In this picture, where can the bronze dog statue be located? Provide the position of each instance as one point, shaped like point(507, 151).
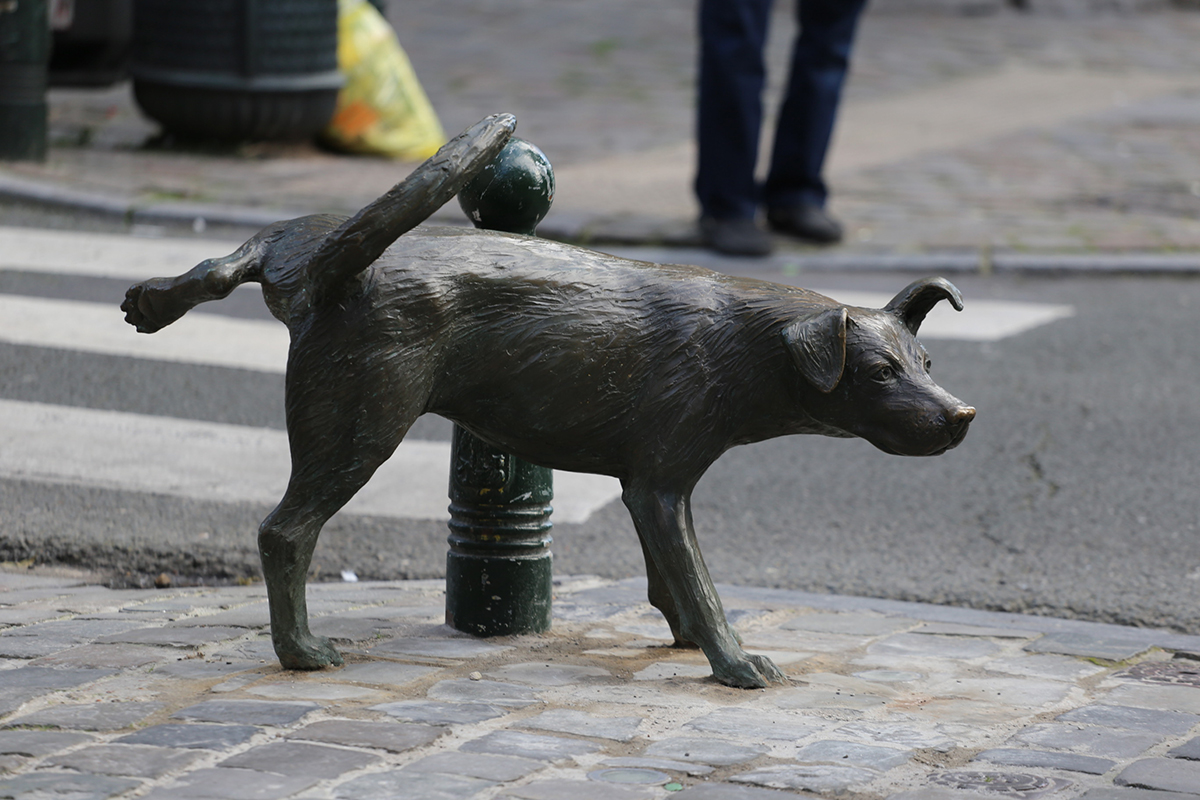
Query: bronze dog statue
point(565, 357)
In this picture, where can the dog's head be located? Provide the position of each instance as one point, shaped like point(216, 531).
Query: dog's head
point(871, 375)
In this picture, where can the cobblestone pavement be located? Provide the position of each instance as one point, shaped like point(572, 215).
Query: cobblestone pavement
point(968, 127)
point(176, 694)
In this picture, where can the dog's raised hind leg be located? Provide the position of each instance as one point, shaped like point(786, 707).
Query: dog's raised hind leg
point(154, 304)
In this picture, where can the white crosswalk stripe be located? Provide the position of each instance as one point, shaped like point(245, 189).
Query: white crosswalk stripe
point(211, 461)
point(238, 463)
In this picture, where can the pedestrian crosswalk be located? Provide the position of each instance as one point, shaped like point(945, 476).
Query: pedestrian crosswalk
point(236, 463)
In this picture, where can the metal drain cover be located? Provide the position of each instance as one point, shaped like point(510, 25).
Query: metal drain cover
point(1005, 784)
point(1181, 672)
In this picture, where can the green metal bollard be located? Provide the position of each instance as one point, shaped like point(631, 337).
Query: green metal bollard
point(24, 55)
point(498, 569)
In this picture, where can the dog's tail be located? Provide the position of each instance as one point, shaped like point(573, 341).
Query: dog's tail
point(356, 243)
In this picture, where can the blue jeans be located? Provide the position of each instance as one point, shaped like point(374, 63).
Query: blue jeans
point(733, 35)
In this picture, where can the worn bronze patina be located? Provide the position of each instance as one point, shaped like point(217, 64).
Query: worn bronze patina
point(567, 358)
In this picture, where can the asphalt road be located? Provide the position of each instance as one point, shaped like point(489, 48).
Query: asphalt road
point(1073, 495)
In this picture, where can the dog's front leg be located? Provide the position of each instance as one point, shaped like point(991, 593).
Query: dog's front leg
point(664, 524)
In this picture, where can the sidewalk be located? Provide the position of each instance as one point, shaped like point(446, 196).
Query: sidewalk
point(969, 138)
point(176, 694)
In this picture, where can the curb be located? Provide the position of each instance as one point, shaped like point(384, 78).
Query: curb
point(677, 248)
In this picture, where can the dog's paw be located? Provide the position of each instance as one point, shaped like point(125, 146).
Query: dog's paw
point(148, 308)
point(308, 652)
point(750, 672)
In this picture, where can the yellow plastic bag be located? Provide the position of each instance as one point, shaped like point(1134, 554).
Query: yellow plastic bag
point(382, 109)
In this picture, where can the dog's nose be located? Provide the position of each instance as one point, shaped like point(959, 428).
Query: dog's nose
point(961, 415)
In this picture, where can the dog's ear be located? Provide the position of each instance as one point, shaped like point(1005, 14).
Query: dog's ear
point(818, 346)
point(915, 300)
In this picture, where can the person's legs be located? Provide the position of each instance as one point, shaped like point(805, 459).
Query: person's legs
point(732, 74)
point(820, 61)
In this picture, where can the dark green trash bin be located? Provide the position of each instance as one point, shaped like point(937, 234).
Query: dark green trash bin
point(24, 51)
point(236, 70)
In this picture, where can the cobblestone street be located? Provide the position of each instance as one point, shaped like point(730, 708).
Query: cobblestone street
point(177, 694)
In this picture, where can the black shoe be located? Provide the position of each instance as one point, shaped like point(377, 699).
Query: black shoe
point(736, 237)
point(808, 222)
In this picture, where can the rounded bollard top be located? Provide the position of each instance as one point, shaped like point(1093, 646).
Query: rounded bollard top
point(513, 193)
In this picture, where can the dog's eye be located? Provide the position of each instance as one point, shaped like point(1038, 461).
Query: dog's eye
point(928, 363)
point(883, 374)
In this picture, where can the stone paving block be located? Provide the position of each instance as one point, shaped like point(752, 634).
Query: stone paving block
point(411, 785)
point(808, 777)
point(1087, 646)
point(914, 645)
point(630, 777)
point(1019, 693)
point(395, 737)
point(888, 676)
point(584, 612)
point(1106, 742)
point(365, 631)
point(128, 760)
point(665, 670)
point(63, 632)
point(88, 716)
point(184, 638)
point(580, 723)
point(300, 759)
point(807, 697)
point(1171, 723)
point(664, 764)
point(384, 673)
point(1167, 698)
point(1116, 793)
point(64, 785)
point(478, 765)
point(1053, 667)
point(310, 690)
point(439, 648)
point(558, 789)
point(848, 623)
point(222, 783)
point(247, 712)
point(440, 713)
point(528, 745)
point(717, 752)
point(854, 754)
point(256, 615)
point(730, 791)
point(495, 693)
point(39, 743)
point(250, 651)
point(195, 735)
point(958, 629)
point(621, 594)
point(939, 793)
point(1189, 750)
point(116, 656)
point(756, 724)
point(1071, 762)
point(39, 678)
point(1162, 774)
point(899, 733)
point(538, 673)
point(195, 669)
